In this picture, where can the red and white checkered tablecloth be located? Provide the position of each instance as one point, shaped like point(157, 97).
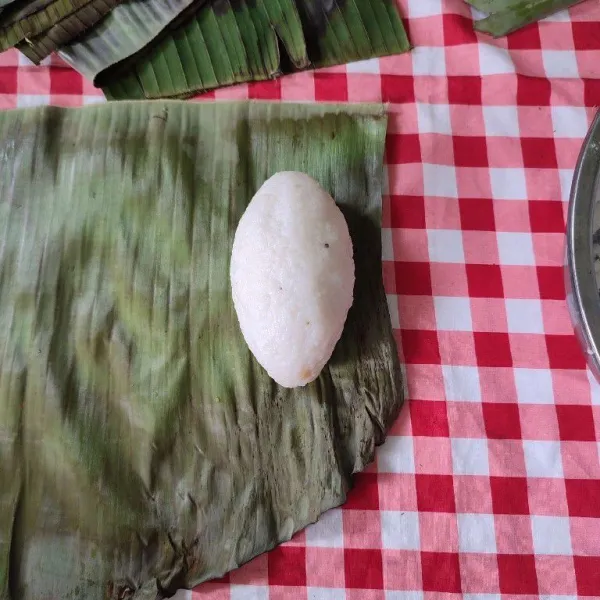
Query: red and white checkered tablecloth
point(489, 484)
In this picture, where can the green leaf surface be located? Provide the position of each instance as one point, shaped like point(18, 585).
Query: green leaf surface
point(142, 447)
point(228, 43)
point(507, 16)
point(31, 25)
point(39, 47)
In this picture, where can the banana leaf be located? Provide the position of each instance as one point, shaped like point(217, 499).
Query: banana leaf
point(233, 41)
point(24, 25)
point(63, 32)
point(510, 15)
point(142, 448)
point(126, 31)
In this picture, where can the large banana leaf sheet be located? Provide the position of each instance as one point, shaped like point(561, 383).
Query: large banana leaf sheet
point(142, 448)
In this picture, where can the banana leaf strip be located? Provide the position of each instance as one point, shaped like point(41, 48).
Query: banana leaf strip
point(510, 15)
point(36, 23)
point(142, 448)
point(126, 31)
point(65, 31)
point(232, 42)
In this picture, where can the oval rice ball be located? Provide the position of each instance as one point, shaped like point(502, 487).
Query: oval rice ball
point(292, 277)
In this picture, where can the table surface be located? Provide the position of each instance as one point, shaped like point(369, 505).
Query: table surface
point(489, 484)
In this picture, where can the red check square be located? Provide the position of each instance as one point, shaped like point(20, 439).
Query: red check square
point(583, 497)
point(502, 421)
point(539, 153)
point(477, 214)
point(517, 574)
point(331, 87)
point(485, 281)
point(398, 89)
point(546, 216)
point(365, 493)
point(470, 151)
point(441, 572)
point(429, 418)
point(363, 568)
point(576, 423)
point(587, 574)
point(63, 82)
point(493, 349)
point(564, 352)
point(403, 148)
point(435, 493)
point(458, 30)
point(464, 90)
point(287, 566)
point(509, 495)
point(407, 212)
point(551, 281)
point(413, 278)
point(533, 91)
point(420, 347)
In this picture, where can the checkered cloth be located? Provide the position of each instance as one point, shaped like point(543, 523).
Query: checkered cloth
point(489, 484)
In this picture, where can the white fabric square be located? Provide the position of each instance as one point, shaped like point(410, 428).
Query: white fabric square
point(403, 595)
point(364, 66)
point(470, 456)
point(29, 100)
point(594, 388)
point(524, 316)
point(23, 61)
point(542, 459)
point(434, 118)
point(551, 535)
point(396, 455)
point(445, 245)
point(439, 181)
point(515, 248)
point(476, 533)
point(424, 8)
point(461, 383)
point(562, 16)
point(560, 63)
point(392, 302)
point(400, 530)
point(328, 531)
point(481, 597)
point(566, 181)
point(387, 244)
point(249, 592)
point(502, 121)
point(318, 593)
point(183, 595)
point(87, 100)
point(569, 121)
point(534, 386)
point(508, 184)
point(429, 60)
point(494, 60)
point(453, 313)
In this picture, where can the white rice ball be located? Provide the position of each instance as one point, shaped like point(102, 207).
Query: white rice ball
point(292, 277)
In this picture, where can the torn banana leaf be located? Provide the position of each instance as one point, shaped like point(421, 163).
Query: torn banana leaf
point(63, 32)
point(230, 42)
point(510, 15)
point(15, 30)
point(142, 447)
